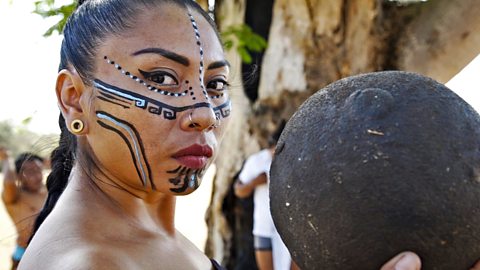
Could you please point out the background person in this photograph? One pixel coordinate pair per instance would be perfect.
(270, 251)
(23, 195)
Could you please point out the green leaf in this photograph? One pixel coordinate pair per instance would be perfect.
(244, 40)
(46, 9)
(27, 120)
(228, 44)
(245, 55)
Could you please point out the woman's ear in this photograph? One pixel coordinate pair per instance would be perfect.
(69, 89)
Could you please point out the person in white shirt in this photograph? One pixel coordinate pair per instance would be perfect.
(270, 251)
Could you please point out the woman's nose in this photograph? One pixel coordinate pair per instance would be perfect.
(200, 119)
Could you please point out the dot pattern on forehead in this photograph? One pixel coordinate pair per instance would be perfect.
(142, 82)
(199, 44)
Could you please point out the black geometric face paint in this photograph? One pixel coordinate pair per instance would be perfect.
(142, 82)
(132, 139)
(185, 178)
(150, 87)
(125, 98)
(199, 44)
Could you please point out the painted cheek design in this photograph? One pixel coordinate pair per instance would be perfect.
(142, 82)
(132, 140)
(185, 178)
(129, 99)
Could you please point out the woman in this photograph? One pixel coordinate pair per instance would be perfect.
(142, 90)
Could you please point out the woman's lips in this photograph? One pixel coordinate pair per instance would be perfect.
(195, 156)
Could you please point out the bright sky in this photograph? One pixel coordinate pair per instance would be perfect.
(29, 64)
(467, 83)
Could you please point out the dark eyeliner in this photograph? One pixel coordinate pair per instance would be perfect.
(148, 75)
(225, 84)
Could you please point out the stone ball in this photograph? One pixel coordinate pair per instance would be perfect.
(376, 164)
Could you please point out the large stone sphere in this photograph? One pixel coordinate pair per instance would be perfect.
(376, 164)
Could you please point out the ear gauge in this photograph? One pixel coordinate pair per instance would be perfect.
(76, 126)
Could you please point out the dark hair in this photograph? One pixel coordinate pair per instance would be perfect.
(94, 20)
(25, 157)
(85, 29)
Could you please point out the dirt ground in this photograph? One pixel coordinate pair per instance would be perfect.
(190, 219)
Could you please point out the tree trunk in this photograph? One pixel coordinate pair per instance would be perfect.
(442, 39)
(236, 144)
(315, 42)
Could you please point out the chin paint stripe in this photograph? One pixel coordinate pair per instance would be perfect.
(154, 106)
(185, 178)
(131, 137)
(142, 82)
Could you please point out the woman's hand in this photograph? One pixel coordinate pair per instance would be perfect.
(410, 261)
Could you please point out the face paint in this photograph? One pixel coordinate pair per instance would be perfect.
(133, 141)
(185, 178)
(164, 92)
(133, 102)
(142, 82)
(199, 44)
(114, 100)
(168, 113)
(124, 98)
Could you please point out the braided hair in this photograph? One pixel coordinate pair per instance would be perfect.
(86, 28)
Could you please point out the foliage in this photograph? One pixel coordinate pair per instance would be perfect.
(240, 37)
(47, 8)
(19, 139)
(6, 133)
(244, 40)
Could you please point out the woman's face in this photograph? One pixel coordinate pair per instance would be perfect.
(159, 103)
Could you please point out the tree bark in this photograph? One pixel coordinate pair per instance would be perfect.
(237, 141)
(442, 39)
(315, 42)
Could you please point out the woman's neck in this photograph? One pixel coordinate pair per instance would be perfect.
(152, 211)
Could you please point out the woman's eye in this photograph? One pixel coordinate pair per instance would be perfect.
(218, 85)
(160, 77)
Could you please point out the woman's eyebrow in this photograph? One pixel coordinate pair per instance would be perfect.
(218, 64)
(165, 53)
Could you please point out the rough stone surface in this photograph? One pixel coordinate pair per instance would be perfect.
(376, 164)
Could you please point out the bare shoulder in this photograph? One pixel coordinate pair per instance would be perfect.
(76, 258)
(96, 258)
